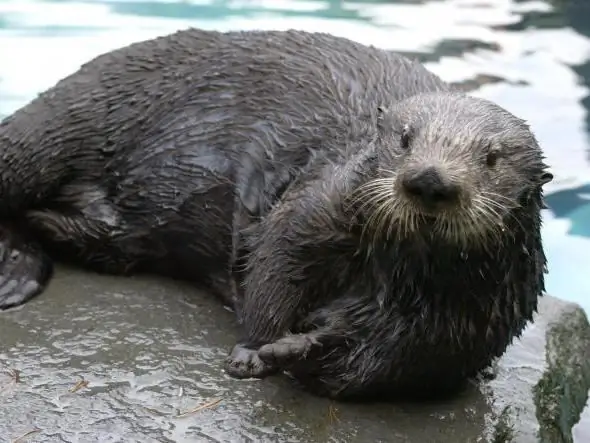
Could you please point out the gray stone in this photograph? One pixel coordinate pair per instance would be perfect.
(152, 351)
(542, 382)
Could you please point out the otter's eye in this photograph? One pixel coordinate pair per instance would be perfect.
(492, 158)
(405, 138)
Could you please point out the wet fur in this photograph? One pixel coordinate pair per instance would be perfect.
(235, 160)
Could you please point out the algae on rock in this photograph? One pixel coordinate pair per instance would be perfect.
(562, 392)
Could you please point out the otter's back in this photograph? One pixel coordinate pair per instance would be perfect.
(281, 80)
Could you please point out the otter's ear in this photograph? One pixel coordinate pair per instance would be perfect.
(545, 178)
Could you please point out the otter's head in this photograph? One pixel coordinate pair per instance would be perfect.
(454, 167)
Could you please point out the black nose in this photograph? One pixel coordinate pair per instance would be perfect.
(428, 186)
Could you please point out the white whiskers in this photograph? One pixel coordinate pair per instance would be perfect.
(386, 213)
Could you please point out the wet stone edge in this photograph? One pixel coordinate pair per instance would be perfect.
(561, 393)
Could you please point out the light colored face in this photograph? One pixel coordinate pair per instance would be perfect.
(454, 165)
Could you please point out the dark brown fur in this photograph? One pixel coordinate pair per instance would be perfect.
(238, 160)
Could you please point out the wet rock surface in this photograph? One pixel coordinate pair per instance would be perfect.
(107, 359)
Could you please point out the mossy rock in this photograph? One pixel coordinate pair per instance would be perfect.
(542, 382)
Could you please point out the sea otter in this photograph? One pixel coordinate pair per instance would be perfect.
(377, 232)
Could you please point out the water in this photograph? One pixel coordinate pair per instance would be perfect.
(530, 56)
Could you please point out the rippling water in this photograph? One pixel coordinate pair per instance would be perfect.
(530, 56)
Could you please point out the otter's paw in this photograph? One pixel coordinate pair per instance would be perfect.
(288, 349)
(24, 272)
(245, 363)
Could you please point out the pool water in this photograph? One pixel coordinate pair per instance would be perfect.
(532, 57)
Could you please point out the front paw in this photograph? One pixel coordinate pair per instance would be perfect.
(288, 349)
(24, 269)
(245, 363)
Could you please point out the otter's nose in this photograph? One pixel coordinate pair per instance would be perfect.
(430, 188)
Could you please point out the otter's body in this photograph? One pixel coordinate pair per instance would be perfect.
(194, 154)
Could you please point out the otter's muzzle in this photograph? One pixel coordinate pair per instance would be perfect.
(429, 188)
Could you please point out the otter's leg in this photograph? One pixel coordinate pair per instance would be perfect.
(25, 269)
(84, 224)
(85, 238)
(350, 348)
(298, 254)
(289, 349)
(328, 362)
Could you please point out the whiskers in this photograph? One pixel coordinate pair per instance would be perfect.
(385, 213)
(493, 211)
(388, 215)
(480, 221)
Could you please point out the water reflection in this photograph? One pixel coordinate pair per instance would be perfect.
(533, 57)
(573, 204)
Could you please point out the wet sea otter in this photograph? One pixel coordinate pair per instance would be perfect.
(377, 233)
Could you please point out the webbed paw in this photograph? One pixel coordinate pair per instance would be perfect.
(24, 268)
(245, 363)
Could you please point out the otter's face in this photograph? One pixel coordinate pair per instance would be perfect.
(454, 166)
